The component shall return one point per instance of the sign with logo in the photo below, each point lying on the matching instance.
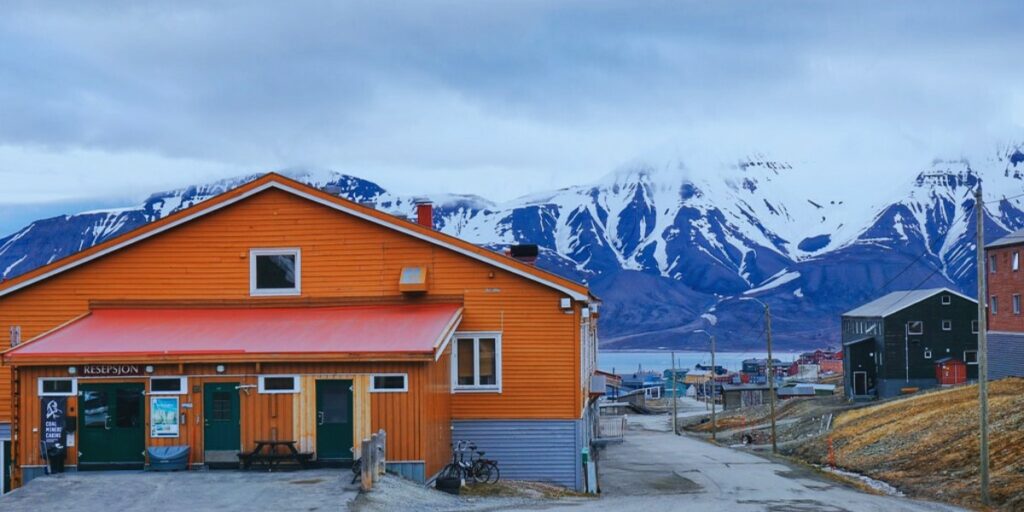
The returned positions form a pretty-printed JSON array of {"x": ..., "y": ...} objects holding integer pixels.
[
  {"x": 110, "y": 370},
  {"x": 163, "y": 416},
  {"x": 54, "y": 409}
]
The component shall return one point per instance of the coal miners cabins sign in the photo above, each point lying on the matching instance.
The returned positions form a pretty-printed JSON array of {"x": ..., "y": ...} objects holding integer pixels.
[{"x": 111, "y": 370}]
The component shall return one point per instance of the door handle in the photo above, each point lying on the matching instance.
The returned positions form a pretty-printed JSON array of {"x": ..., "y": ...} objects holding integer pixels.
[{"x": 319, "y": 418}]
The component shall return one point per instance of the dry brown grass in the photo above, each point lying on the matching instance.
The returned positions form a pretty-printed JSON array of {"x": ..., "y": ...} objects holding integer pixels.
[{"x": 927, "y": 445}]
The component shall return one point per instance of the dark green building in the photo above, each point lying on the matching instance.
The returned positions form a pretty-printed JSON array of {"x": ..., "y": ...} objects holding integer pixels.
[{"x": 893, "y": 342}]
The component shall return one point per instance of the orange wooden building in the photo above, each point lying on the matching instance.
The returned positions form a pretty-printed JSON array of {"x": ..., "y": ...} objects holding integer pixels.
[{"x": 279, "y": 311}]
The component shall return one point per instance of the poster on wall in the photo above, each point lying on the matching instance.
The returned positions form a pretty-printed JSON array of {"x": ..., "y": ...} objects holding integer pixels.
[
  {"x": 54, "y": 409},
  {"x": 163, "y": 416}
]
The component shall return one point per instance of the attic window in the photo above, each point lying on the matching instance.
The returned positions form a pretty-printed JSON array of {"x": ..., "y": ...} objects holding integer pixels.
[
  {"x": 275, "y": 272},
  {"x": 947, "y": 325},
  {"x": 1016, "y": 261},
  {"x": 413, "y": 279},
  {"x": 915, "y": 327},
  {"x": 947, "y": 300}
]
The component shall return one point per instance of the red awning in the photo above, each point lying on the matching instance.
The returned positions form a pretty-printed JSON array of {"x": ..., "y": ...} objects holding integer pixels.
[{"x": 384, "y": 329}]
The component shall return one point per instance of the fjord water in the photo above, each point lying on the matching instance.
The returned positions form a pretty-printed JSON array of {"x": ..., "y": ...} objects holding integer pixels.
[{"x": 627, "y": 361}]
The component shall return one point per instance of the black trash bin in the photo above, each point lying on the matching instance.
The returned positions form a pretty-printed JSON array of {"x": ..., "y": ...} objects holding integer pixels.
[{"x": 56, "y": 453}]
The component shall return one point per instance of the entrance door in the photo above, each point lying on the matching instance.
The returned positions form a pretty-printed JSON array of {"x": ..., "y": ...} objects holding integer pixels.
[
  {"x": 860, "y": 383},
  {"x": 111, "y": 426},
  {"x": 221, "y": 423},
  {"x": 334, "y": 420}
]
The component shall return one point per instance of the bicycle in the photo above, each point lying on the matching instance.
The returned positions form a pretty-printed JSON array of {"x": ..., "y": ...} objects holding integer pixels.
[
  {"x": 477, "y": 469},
  {"x": 484, "y": 470}
]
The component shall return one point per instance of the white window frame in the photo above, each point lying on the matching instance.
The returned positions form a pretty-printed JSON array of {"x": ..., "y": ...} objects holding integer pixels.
[
  {"x": 992, "y": 263},
  {"x": 297, "y": 388},
  {"x": 74, "y": 386},
  {"x": 909, "y": 333},
  {"x": 1016, "y": 261},
  {"x": 974, "y": 327},
  {"x": 476, "y": 388},
  {"x": 183, "y": 380},
  {"x": 947, "y": 300},
  {"x": 927, "y": 353},
  {"x": 1015, "y": 303},
  {"x": 947, "y": 325},
  {"x": 993, "y": 304},
  {"x": 275, "y": 292},
  {"x": 375, "y": 389},
  {"x": 975, "y": 352}
]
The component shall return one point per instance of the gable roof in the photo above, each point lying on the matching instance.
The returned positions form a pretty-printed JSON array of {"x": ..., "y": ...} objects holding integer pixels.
[
  {"x": 275, "y": 181},
  {"x": 895, "y": 301},
  {"x": 1017, "y": 237}
]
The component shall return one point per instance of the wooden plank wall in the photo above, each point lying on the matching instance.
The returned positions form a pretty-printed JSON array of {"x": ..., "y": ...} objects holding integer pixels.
[
  {"x": 265, "y": 416},
  {"x": 342, "y": 257}
]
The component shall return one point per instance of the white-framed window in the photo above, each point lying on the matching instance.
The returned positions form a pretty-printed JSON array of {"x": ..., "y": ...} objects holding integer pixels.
[
  {"x": 58, "y": 386},
  {"x": 947, "y": 300},
  {"x": 992, "y": 264},
  {"x": 275, "y": 272},
  {"x": 974, "y": 326},
  {"x": 1016, "y": 303},
  {"x": 947, "y": 325},
  {"x": 275, "y": 384},
  {"x": 1016, "y": 261},
  {"x": 389, "y": 383},
  {"x": 971, "y": 356},
  {"x": 915, "y": 327},
  {"x": 168, "y": 385},
  {"x": 993, "y": 304},
  {"x": 476, "y": 362},
  {"x": 927, "y": 353}
]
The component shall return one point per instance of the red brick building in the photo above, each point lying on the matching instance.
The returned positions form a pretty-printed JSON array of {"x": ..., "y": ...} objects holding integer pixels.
[{"x": 1005, "y": 321}]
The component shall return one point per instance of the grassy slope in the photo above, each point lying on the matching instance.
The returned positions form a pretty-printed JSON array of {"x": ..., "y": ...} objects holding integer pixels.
[{"x": 927, "y": 445}]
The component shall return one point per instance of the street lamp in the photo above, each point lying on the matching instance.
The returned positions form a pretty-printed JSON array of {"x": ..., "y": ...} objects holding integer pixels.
[
  {"x": 771, "y": 371},
  {"x": 714, "y": 424}
]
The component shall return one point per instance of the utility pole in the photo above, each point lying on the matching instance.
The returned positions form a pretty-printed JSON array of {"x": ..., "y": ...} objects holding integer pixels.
[
  {"x": 714, "y": 425},
  {"x": 979, "y": 207},
  {"x": 675, "y": 401},
  {"x": 771, "y": 374}
]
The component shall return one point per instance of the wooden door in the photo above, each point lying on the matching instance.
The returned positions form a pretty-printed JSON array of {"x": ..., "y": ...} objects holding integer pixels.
[
  {"x": 222, "y": 436},
  {"x": 112, "y": 427},
  {"x": 334, "y": 420}
]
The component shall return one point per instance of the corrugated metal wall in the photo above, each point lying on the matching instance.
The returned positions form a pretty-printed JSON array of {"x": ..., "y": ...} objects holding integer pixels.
[
  {"x": 1005, "y": 355},
  {"x": 546, "y": 451}
]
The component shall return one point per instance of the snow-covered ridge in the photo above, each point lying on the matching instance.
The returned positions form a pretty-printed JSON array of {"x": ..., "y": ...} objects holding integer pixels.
[{"x": 664, "y": 242}]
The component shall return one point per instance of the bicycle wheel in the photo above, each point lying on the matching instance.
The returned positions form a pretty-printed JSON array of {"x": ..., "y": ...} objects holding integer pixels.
[
  {"x": 494, "y": 474},
  {"x": 481, "y": 472},
  {"x": 451, "y": 471}
]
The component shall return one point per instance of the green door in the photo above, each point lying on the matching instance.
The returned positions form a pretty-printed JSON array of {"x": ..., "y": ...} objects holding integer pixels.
[
  {"x": 221, "y": 422},
  {"x": 111, "y": 426},
  {"x": 334, "y": 420}
]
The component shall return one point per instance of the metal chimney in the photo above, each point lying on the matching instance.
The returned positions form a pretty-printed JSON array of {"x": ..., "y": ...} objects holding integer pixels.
[{"x": 425, "y": 214}]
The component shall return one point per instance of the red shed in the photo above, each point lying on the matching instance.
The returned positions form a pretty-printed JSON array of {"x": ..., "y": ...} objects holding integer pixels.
[{"x": 950, "y": 371}]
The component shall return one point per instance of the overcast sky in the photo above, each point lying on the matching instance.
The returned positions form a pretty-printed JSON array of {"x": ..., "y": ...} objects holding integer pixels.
[{"x": 101, "y": 105}]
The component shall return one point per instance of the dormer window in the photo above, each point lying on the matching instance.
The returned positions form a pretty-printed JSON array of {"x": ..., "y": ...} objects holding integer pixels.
[{"x": 275, "y": 272}]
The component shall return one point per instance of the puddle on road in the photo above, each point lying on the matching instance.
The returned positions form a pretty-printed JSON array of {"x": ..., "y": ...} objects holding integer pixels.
[
  {"x": 306, "y": 482},
  {"x": 672, "y": 483}
]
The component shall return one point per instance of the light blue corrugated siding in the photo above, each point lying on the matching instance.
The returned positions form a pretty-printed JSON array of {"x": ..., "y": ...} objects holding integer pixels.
[
  {"x": 409, "y": 470},
  {"x": 544, "y": 450},
  {"x": 5, "y": 431},
  {"x": 1005, "y": 355}
]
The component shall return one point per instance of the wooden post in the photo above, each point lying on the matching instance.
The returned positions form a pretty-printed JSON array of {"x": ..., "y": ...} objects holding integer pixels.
[
  {"x": 383, "y": 447},
  {"x": 366, "y": 468}
]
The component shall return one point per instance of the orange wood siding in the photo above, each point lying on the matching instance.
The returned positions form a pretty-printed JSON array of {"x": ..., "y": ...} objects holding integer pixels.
[
  {"x": 342, "y": 257},
  {"x": 266, "y": 416}
]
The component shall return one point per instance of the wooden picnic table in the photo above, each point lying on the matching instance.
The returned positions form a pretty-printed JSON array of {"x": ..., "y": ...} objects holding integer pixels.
[{"x": 269, "y": 456}]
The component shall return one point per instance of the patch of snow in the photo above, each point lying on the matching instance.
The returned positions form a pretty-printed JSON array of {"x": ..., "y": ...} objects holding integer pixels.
[
  {"x": 774, "y": 282},
  {"x": 10, "y": 267}
]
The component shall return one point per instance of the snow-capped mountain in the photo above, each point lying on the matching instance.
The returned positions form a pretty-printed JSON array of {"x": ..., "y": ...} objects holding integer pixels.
[{"x": 673, "y": 247}]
